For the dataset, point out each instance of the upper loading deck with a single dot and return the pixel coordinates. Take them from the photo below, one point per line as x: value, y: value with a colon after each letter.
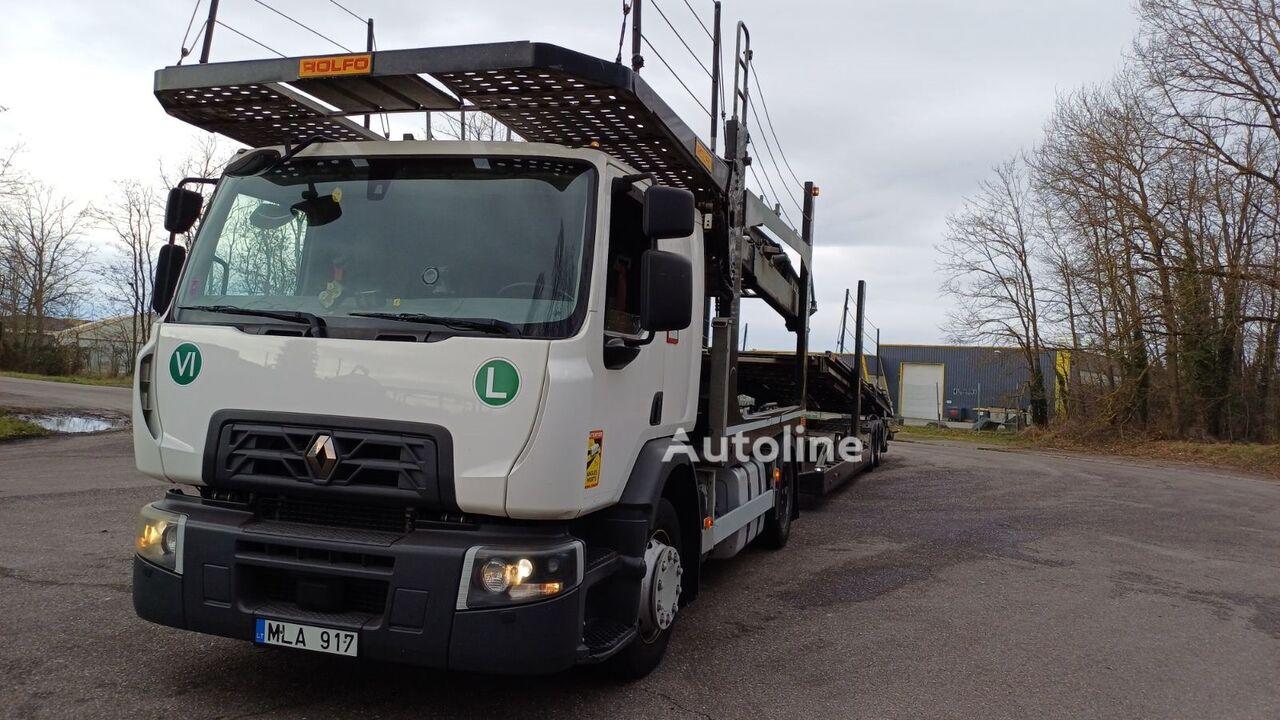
x: 544, y: 93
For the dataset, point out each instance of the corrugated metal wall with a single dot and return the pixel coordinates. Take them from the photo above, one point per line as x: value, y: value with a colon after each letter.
x: 973, y: 377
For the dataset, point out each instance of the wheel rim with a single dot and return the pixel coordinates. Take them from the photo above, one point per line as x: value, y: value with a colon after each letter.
x: 660, y: 591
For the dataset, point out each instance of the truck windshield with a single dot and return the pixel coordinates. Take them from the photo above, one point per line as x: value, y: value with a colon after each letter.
x: 366, y: 242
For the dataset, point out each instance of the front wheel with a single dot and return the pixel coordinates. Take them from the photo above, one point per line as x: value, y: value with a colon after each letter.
x: 659, y: 597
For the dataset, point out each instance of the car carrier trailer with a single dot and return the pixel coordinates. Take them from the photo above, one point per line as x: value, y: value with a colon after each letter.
x: 445, y: 403
x: 836, y: 394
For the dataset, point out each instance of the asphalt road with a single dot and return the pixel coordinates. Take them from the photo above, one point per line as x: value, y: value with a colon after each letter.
x: 952, y: 582
x: 24, y: 394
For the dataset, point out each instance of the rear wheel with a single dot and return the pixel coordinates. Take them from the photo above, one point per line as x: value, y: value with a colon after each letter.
x: 777, y: 524
x: 875, y: 448
x: 659, y: 597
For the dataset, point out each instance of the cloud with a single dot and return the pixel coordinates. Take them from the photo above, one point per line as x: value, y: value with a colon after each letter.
x: 896, y: 109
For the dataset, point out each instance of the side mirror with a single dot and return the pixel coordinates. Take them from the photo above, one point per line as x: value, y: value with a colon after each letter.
x: 168, y: 266
x: 181, y: 211
x: 666, y: 290
x: 668, y: 212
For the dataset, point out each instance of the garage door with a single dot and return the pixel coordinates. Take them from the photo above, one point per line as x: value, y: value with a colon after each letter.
x: 920, y: 393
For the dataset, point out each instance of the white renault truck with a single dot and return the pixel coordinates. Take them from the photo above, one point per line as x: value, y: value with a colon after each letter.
x: 446, y: 403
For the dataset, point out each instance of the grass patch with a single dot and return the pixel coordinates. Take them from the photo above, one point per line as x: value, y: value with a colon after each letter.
x: 121, y: 381
x: 994, y: 437
x: 1250, y: 458
x: 12, y: 428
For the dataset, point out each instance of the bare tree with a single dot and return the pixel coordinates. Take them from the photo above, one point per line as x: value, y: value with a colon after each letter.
x: 1097, y: 175
x: 44, y: 258
x: 206, y: 158
x: 1151, y: 241
x: 129, y: 274
x: 988, y: 259
x: 10, y: 179
x: 1217, y: 64
x: 471, y: 125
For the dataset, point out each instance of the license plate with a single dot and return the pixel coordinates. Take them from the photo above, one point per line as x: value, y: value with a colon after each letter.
x: 306, y: 637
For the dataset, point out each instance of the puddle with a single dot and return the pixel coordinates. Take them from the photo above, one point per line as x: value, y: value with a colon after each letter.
x: 70, y: 423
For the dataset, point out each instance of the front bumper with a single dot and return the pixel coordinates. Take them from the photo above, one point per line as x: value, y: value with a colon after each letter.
x: 398, y: 591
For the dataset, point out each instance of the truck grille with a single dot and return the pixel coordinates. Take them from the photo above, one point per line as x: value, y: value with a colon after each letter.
x: 374, y: 461
x: 363, y: 458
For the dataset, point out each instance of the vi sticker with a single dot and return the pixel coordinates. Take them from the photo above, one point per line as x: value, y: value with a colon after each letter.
x: 497, y: 382
x: 185, y: 363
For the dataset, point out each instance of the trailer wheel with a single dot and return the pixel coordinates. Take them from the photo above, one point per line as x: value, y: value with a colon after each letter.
x: 777, y: 524
x: 876, y: 444
x: 659, y: 601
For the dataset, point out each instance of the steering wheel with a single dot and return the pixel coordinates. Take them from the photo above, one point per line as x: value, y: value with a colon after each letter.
x: 561, y: 292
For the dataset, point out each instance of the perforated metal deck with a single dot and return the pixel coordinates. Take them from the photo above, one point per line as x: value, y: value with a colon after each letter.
x: 544, y: 93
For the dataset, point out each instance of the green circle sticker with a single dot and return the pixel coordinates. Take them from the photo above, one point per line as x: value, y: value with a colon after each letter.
x: 184, y: 364
x: 497, y: 382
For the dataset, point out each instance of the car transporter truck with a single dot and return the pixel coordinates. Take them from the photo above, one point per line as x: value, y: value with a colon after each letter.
x: 451, y: 403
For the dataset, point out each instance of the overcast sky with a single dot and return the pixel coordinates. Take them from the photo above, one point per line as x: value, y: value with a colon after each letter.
x: 897, y: 109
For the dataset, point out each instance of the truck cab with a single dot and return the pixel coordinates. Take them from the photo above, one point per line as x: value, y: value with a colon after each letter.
x: 492, y: 290
x: 442, y: 337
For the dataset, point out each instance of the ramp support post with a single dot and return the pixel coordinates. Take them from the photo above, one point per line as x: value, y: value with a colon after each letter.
x: 857, y: 360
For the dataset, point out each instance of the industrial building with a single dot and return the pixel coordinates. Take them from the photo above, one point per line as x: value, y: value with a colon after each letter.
x: 960, y: 383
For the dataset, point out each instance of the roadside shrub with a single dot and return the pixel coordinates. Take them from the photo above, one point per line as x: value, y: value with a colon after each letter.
x: 44, y: 359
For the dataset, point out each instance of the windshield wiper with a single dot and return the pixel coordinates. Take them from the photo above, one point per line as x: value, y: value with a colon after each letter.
x: 497, y: 327
x: 295, y: 316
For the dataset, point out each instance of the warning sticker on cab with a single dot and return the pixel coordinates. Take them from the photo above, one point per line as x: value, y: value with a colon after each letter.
x: 331, y: 65
x: 595, y: 453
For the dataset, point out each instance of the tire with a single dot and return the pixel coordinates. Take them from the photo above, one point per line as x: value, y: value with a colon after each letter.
x: 875, y: 448
x: 777, y: 523
x: 642, y: 655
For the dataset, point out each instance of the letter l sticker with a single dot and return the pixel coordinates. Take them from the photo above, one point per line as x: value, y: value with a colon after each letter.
x: 489, y: 391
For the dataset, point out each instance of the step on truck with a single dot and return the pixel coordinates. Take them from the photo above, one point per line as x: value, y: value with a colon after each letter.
x: 446, y: 402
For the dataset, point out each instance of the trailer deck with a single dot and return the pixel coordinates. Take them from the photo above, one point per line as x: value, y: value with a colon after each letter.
x: 830, y: 387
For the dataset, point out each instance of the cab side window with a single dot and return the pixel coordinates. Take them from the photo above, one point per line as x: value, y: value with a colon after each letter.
x: 627, y: 242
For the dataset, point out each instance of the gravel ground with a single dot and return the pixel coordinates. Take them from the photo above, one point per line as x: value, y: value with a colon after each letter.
x: 951, y: 582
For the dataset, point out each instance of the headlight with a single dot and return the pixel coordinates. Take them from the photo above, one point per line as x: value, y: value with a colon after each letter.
x: 159, y: 537
x: 496, y: 576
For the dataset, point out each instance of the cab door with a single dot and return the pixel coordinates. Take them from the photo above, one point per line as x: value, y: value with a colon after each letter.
x: 631, y: 385
x: 606, y: 387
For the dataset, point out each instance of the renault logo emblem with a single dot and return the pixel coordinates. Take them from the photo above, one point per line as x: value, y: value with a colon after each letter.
x: 322, y: 457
